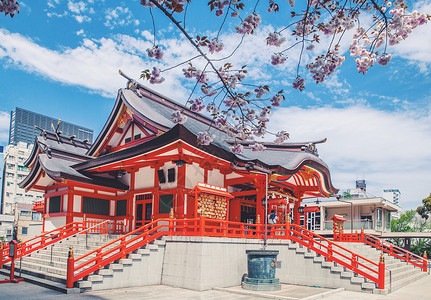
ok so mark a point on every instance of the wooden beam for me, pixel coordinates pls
(239, 180)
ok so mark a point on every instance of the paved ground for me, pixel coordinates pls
(420, 290)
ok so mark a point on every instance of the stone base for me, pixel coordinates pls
(256, 284)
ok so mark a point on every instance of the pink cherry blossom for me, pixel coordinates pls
(155, 52)
(299, 83)
(237, 149)
(278, 59)
(204, 138)
(257, 147)
(178, 117)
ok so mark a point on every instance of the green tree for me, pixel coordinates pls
(407, 223)
(425, 209)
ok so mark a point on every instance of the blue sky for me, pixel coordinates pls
(61, 58)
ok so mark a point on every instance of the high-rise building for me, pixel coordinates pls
(360, 184)
(22, 127)
(13, 173)
(393, 195)
(22, 135)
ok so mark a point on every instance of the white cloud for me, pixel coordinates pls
(388, 150)
(81, 18)
(416, 46)
(4, 127)
(76, 7)
(92, 65)
(119, 16)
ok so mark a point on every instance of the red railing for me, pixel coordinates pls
(41, 241)
(39, 206)
(86, 264)
(391, 249)
(56, 235)
(110, 227)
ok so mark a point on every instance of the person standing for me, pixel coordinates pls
(272, 219)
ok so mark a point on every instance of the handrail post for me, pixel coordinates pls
(362, 234)
(329, 253)
(171, 224)
(70, 269)
(1, 254)
(425, 262)
(202, 227)
(224, 228)
(381, 284)
(354, 262)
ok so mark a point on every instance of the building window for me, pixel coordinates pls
(55, 204)
(24, 230)
(35, 216)
(121, 207)
(171, 175)
(379, 218)
(165, 203)
(22, 169)
(24, 213)
(388, 220)
(128, 140)
(95, 206)
(144, 197)
(137, 136)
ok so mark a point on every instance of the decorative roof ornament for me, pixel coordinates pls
(310, 148)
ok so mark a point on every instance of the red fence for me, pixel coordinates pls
(86, 264)
(56, 235)
(391, 249)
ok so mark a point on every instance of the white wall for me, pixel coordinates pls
(144, 178)
(215, 178)
(194, 174)
(77, 200)
(54, 223)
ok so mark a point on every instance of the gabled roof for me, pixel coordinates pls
(55, 155)
(75, 159)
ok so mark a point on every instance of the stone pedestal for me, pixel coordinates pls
(261, 266)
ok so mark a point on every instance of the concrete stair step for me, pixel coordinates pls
(405, 281)
(60, 287)
(105, 272)
(47, 256)
(404, 274)
(368, 286)
(143, 251)
(116, 267)
(39, 261)
(152, 247)
(40, 274)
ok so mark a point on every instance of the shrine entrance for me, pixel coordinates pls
(144, 209)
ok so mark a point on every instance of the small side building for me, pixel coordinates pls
(361, 210)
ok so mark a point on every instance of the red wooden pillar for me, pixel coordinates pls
(261, 190)
(205, 175)
(296, 215)
(181, 185)
(70, 277)
(69, 213)
(130, 196)
(381, 284)
(155, 192)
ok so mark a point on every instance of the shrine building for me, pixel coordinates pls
(143, 167)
